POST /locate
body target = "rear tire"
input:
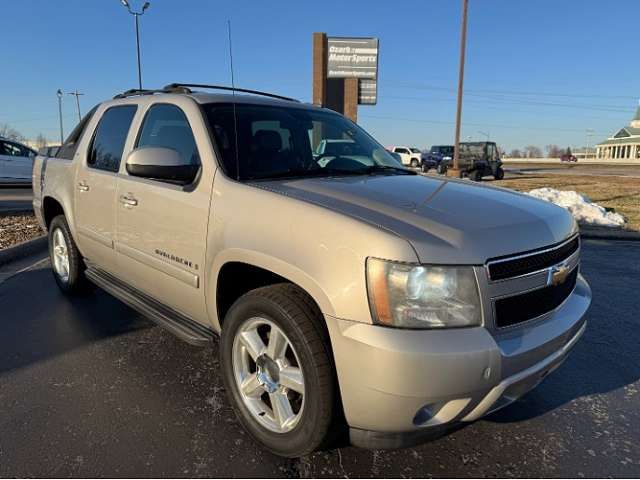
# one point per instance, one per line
(441, 169)
(257, 378)
(67, 264)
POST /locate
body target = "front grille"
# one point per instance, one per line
(529, 263)
(520, 308)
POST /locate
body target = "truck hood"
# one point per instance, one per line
(446, 221)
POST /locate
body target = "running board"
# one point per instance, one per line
(184, 328)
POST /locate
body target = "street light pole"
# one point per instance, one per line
(455, 171)
(137, 22)
(486, 134)
(77, 95)
(59, 95)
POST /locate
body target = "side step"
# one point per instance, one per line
(184, 328)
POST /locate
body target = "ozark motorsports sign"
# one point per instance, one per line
(355, 58)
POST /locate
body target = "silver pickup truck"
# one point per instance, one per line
(350, 294)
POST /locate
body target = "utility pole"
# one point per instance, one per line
(59, 95)
(455, 171)
(136, 15)
(77, 95)
(590, 132)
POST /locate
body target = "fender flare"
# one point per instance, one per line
(266, 262)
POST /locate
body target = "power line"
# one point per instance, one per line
(510, 92)
(439, 122)
(506, 101)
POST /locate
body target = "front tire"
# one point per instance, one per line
(278, 370)
(476, 176)
(66, 261)
(499, 174)
(414, 163)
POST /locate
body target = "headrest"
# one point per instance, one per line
(267, 140)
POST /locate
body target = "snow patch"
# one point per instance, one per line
(580, 206)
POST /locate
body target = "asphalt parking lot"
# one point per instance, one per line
(90, 388)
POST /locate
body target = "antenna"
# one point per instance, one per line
(233, 93)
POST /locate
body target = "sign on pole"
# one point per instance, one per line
(355, 58)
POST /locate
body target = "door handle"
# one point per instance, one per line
(83, 187)
(128, 201)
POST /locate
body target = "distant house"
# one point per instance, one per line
(624, 144)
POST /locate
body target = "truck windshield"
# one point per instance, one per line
(285, 142)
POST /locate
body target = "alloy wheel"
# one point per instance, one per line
(60, 255)
(268, 375)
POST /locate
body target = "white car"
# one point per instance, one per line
(16, 162)
(410, 155)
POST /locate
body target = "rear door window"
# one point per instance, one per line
(111, 134)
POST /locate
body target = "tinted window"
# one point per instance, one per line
(167, 126)
(401, 150)
(258, 142)
(70, 145)
(111, 134)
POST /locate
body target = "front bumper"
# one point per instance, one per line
(400, 387)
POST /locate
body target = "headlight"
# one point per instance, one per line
(422, 296)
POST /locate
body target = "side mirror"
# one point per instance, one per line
(160, 163)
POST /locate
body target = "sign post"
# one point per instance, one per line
(345, 73)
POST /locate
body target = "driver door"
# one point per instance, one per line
(161, 226)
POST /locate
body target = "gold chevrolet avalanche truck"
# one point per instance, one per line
(350, 294)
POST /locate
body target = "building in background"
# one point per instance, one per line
(624, 144)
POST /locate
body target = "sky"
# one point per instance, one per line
(538, 72)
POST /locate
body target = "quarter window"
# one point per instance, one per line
(167, 126)
(111, 134)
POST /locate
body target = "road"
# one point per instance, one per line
(89, 388)
(632, 171)
(14, 199)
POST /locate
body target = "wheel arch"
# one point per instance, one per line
(51, 208)
(262, 270)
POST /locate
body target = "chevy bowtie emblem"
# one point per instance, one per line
(558, 274)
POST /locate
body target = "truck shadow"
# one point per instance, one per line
(39, 322)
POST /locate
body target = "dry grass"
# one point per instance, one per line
(18, 228)
(620, 194)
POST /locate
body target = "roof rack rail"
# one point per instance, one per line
(168, 89)
(187, 86)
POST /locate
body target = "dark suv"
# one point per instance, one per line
(438, 157)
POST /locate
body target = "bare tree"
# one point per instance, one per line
(515, 153)
(553, 151)
(7, 131)
(41, 141)
(531, 151)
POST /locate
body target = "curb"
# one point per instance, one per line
(16, 211)
(23, 249)
(594, 233)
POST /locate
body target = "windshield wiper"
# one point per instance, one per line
(387, 169)
(316, 172)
